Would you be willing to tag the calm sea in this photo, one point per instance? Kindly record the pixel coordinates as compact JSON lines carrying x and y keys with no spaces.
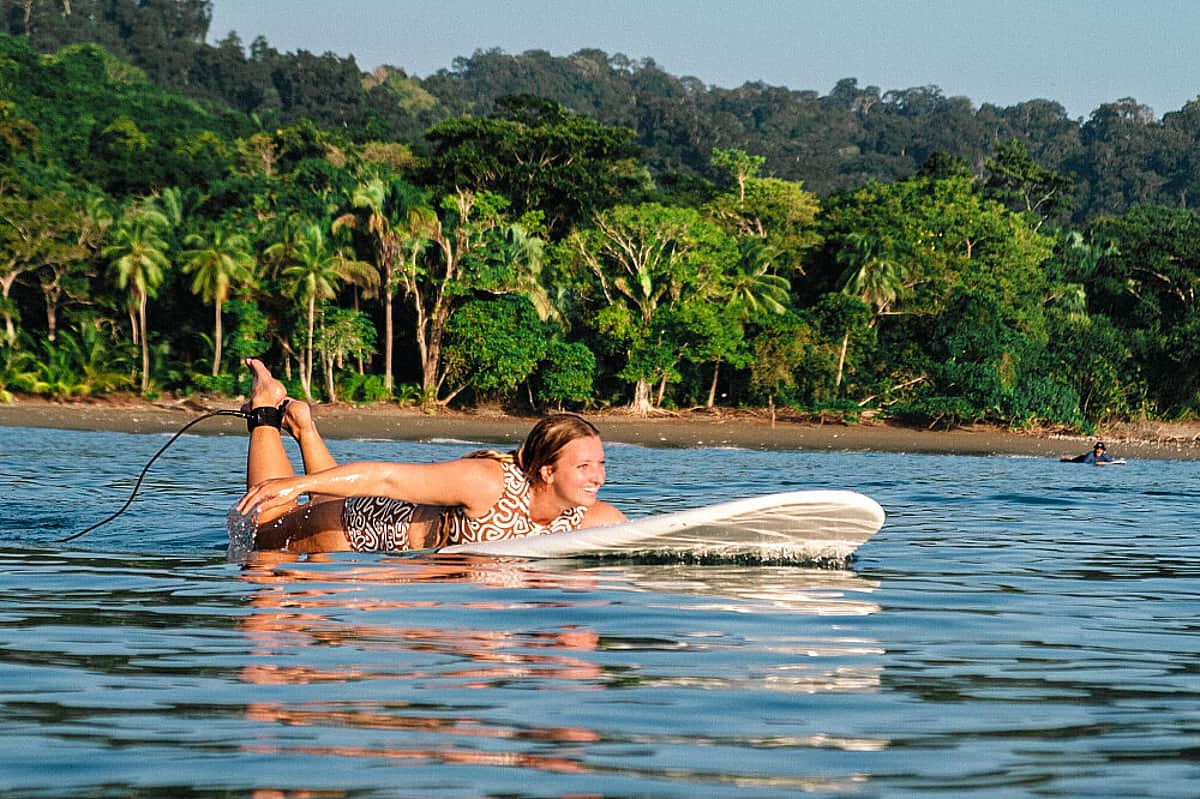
{"x":1019,"y":627}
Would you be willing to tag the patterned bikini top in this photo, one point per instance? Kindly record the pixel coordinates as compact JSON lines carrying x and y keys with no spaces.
{"x":509,"y":517}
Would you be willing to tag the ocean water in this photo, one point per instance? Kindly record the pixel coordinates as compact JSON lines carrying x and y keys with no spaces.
{"x":1018,"y":628}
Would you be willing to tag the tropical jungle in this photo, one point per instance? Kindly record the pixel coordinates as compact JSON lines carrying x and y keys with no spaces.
{"x":534,"y":231}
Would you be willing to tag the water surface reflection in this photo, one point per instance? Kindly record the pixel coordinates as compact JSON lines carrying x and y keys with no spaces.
{"x":538,"y":627}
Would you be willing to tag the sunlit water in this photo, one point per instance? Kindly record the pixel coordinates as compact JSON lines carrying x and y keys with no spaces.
{"x":1019,"y":627}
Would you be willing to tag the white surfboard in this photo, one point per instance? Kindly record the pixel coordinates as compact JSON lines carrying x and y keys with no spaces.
{"x":794,"y":527}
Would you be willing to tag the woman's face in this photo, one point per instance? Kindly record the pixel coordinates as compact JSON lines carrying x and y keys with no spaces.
{"x":578,"y":472}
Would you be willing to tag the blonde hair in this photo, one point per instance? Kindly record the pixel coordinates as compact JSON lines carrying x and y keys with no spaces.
{"x":543,"y":444}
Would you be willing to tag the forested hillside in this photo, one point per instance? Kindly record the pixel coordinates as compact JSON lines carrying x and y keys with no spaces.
{"x":1120,"y":156}
{"x":580,"y":231}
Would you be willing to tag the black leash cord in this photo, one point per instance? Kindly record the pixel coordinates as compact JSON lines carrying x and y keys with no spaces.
{"x":146,"y":469}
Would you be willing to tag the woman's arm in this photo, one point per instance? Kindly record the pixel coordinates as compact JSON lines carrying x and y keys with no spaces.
{"x":475,"y":484}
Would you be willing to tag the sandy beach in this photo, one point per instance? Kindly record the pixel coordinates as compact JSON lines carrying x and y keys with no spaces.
{"x":683,"y":429}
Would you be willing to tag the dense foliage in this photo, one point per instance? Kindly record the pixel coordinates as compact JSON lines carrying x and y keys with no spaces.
{"x":576,"y":232}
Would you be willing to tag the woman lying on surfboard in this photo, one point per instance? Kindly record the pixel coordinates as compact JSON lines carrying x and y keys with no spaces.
{"x":548,"y":485}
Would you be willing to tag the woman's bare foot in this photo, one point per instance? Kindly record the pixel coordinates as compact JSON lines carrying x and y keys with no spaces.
{"x":266,"y":390}
{"x":297,"y":418}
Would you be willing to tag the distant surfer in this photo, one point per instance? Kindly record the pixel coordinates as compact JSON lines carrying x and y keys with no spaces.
{"x":549,"y":484}
{"x":1098,"y":456}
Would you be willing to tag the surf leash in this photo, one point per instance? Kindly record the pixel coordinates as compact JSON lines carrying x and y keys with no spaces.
{"x":146,"y":469}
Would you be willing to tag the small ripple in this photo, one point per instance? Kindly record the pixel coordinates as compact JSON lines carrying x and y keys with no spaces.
{"x":1032,"y":500}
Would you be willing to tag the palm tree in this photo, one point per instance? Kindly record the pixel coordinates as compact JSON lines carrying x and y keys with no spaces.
{"x":139,"y":262}
{"x":751,"y":292}
{"x":169,"y":203}
{"x":757,"y":290}
{"x":315,"y":272}
{"x":375,"y":213}
{"x":219,"y":262}
{"x":874,"y":274}
{"x":526,"y":254}
{"x":398,"y":217}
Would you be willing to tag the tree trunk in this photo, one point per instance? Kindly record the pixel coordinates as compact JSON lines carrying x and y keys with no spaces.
{"x":288,"y":353}
{"x":10,"y":327}
{"x":431,"y":380}
{"x":306,"y":369}
{"x":641,"y":397}
{"x":421,"y":330}
{"x":842,"y":358}
{"x":217,"y":334}
{"x":329,"y":387}
{"x":142,"y":300}
{"x":53,"y":292}
{"x":133,"y":334}
{"x":341,"y":362}
{"x":712,"y":388}
{"x":429,"y":372}
{"x":387,"y":332}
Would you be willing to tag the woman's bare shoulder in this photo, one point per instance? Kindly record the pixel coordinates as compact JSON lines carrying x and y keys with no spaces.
{"x":601,"y":514}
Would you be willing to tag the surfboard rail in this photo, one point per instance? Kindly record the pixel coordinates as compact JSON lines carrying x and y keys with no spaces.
{"x":795,"y":526}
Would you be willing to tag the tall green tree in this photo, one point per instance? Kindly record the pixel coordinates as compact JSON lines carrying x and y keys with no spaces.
{"x":1023,"y":184}
{"x":344,"y":333}
{"x":775,"y":221}
{"x":1118,"y":169}
{"x":466,"y":254}
{"x":68,"y":280}
{"x":138,"y":254}
{"x":396,"y":217}
{"x":774,"y":224}
{"x":753,"y":293}
{"x":879,"y":271}
{"x":645,"y":259}
{"x":1147,"y":282}
{"x":541,"y":157}
{"x":44,"y":232}
{"x":315,"y":271}
{"x":220,"y":261}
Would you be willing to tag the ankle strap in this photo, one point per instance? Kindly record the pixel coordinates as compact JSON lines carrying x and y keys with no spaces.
{"x":264,"y":416}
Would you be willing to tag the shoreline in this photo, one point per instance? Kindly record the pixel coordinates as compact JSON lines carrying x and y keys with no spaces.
{"x":1178,"y":441}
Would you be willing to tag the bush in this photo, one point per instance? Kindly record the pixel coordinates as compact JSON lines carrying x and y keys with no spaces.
{"x":567,"y":374}
{"x":492,"y":346}
{"x":221,"y":384}
{"x":357,"y":388}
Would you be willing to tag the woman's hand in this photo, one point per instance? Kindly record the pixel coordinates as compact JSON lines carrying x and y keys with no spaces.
{"x":270,"y":494}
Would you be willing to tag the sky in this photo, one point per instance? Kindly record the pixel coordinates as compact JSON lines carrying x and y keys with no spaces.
{"x":1080,"y":53}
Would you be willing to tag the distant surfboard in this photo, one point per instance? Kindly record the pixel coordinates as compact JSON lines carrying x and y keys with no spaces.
{"x":794,"y":527}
